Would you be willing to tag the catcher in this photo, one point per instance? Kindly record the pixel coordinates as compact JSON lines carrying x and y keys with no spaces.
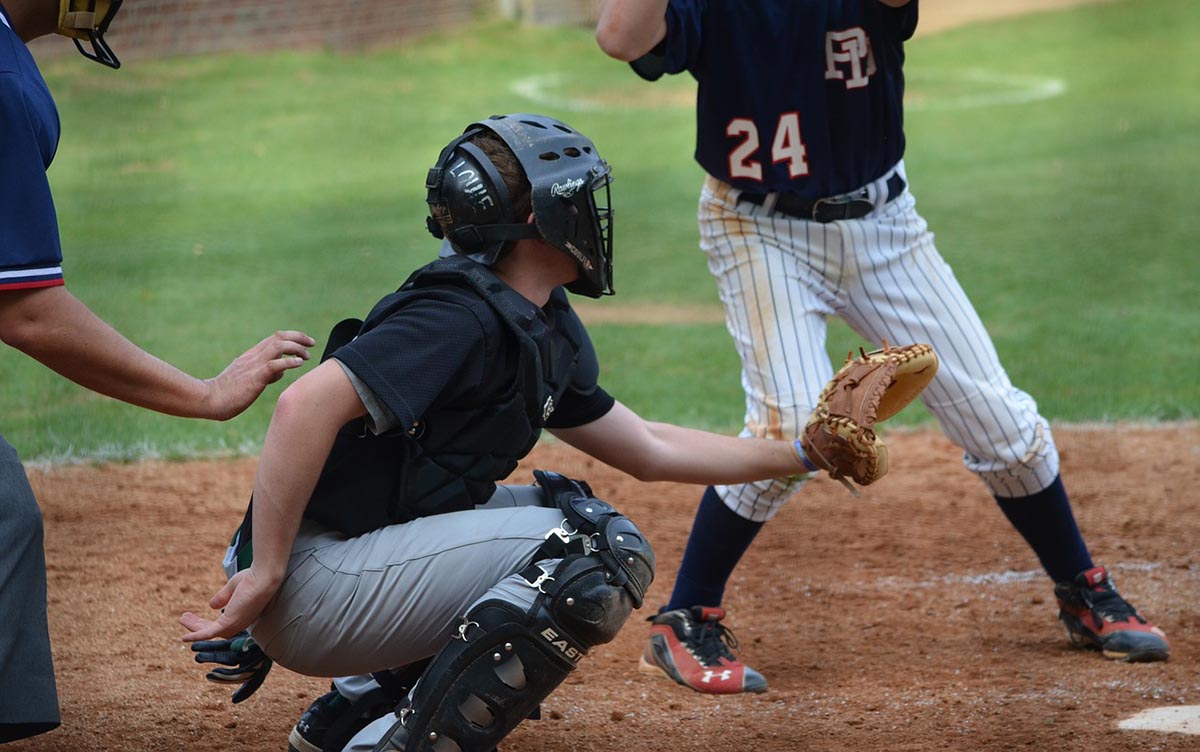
{"x":379,"y":548}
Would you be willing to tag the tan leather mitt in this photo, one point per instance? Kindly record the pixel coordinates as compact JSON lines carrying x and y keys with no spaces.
{"x":840,"y":434}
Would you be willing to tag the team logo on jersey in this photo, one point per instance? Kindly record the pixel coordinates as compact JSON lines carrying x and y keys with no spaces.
{"x":567,"y":189}
{"x":849,"y":57}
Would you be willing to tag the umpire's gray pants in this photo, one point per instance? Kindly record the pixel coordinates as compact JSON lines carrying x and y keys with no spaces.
{"x":28,"y":697}
{"x":397,"y":594}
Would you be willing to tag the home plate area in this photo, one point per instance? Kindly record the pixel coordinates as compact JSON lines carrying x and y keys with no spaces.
{"x":1183,"y":719}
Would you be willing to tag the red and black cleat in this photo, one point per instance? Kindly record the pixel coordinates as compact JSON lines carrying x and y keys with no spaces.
{"x":692,"y":647}
{"x":1096,"y":616}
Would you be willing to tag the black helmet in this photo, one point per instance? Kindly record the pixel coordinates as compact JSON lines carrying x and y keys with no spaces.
{"x":565,"y":173}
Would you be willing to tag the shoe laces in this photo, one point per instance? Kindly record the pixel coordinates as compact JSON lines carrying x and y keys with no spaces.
{"x":711,"y":641}
{"x":1107,"y":605}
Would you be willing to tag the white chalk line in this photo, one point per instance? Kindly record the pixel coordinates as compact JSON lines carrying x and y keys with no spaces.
{"x":1008,"y":577}
{"x":999,"y":89}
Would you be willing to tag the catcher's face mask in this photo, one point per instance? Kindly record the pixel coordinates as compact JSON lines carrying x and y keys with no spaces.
{"x":87,"y":21}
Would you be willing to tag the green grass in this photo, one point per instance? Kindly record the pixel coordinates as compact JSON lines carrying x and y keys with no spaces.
{"x":205,"y":202}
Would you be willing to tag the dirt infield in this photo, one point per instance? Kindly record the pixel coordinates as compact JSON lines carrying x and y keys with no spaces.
{"x":910,"y":619}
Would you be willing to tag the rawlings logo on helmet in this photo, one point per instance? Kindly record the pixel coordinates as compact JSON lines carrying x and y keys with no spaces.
{"x":567,"y":189}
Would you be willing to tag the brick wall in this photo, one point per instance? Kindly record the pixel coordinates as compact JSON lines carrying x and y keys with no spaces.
{"x":161,"y":28}
{"x":552,"y":12}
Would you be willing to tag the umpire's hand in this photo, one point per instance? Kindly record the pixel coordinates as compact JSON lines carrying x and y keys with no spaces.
{"x":236,"y":388}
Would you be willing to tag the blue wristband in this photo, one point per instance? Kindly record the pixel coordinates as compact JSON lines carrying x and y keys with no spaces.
{"x":804,"y":457}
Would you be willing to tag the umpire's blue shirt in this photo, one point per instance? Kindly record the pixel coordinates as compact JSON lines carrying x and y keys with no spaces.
{"x":30,"y":254}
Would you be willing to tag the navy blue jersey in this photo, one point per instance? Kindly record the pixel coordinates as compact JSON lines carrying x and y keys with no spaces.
{"x":30,"y":254}
{"x":800,"y":96}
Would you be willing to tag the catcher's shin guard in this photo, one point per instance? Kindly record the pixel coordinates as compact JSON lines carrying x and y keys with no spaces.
{"x":504,"y":660}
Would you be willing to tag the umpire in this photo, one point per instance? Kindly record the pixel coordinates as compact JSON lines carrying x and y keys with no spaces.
{"x":377,"y":536}
{"x":40,"y":318}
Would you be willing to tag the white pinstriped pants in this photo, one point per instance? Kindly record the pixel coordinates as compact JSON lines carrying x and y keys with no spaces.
{"x":779,"y":278}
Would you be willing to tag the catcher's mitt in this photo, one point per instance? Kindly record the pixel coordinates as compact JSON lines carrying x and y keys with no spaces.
{"x":840,"y":434}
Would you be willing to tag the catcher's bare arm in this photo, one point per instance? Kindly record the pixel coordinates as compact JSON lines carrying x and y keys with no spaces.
{"x":303,"y":427}
{"x":839,"y":437}
{"x":58,"y":330}
{"x":652,"y":451}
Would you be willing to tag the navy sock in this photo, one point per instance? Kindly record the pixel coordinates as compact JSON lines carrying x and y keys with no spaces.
{"x":718,"y":539}
{"x":1045,"y":521}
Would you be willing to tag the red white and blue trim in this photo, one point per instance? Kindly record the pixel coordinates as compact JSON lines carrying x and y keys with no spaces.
{"x":27,"y":279}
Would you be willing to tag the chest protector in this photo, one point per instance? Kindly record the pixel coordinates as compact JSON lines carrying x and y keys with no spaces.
{"x":451,"y":460}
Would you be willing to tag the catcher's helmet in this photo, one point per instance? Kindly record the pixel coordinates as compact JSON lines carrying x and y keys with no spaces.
{"x":468,"y":196}
{"x":88,"y":20}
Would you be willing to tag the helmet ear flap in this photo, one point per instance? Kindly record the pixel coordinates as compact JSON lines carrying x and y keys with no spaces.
{"x":470,"y":204}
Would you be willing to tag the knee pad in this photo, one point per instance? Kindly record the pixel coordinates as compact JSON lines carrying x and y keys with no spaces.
{"x":592,"y":527}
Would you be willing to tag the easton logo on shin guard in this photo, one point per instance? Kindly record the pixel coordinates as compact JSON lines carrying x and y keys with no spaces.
{"x":564,"y":646}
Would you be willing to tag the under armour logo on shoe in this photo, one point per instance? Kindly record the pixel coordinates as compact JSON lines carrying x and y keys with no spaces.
{"x":724,"y":676}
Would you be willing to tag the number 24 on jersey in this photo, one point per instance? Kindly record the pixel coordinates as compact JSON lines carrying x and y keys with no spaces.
{"x":787,"y":146}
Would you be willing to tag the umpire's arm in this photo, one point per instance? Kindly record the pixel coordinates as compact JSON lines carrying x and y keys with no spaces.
{"x":58,"y":330}
{"x":652,"y":451}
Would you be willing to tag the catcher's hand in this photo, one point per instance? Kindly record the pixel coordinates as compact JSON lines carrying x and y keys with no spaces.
{"x":249,"y":665}
{"x":840,"y":434}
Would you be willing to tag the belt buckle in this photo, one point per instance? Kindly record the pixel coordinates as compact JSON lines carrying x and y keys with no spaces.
{"x":816,"y":208}
{"x":841,"y":203}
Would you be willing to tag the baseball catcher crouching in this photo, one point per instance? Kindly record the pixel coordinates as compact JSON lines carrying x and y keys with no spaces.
{"x":379,"y":547}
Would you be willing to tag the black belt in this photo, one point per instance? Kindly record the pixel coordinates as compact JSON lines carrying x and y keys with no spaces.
{"x":826,"y":209}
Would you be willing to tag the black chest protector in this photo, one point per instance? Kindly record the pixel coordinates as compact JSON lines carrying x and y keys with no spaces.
{"x":452,"y":459}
